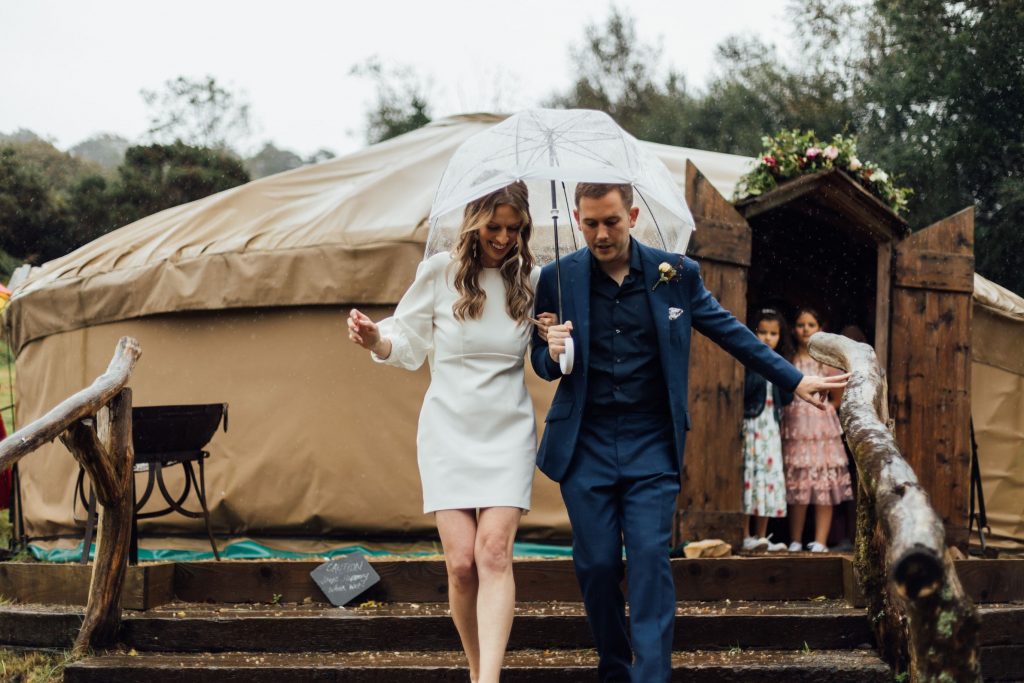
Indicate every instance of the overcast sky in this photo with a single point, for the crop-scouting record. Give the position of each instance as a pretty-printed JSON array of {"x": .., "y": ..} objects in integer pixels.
[{"x": 71, "y": 69}]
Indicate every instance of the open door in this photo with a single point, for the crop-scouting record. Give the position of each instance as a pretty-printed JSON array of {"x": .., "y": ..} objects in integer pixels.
[
  {"x": 711, "y": 500},
  {"x": 930, "y": 362}
]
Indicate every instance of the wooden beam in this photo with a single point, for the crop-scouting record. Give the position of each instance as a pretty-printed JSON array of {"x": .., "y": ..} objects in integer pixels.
[
  {"x": 85, "y": 403},
  {"x": 921, "y": 588},
  {"x": 935, "y": 270}
]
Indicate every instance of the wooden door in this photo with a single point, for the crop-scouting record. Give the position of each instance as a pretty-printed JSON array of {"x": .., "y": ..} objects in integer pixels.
[
  {"x": 711, "y": 501},
  {"x": 930, "y": 362}
]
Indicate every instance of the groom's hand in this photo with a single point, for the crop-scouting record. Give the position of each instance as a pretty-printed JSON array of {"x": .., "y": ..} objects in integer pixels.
[
  {"x": 557, "y": 334},
  {"x": 812, "y": 387}
]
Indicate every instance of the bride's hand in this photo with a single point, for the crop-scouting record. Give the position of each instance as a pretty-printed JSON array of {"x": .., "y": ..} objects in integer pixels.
[
  {"x": 543, "y": 322},
  {"x": 362, "y": 330}
]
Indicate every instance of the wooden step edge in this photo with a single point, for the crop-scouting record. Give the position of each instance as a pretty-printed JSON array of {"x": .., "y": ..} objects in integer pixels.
[{"x": 535, "y": 666}]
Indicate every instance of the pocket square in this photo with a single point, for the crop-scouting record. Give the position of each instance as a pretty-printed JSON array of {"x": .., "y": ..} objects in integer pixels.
[{"x": 674, "y": 312}]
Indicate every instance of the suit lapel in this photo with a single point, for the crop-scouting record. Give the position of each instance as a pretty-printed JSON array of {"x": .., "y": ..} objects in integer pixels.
[{"x": 657, "y": 295}]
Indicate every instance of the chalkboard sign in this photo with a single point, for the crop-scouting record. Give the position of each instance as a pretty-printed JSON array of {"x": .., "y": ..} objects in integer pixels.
[{"x": 343, "y": 579}]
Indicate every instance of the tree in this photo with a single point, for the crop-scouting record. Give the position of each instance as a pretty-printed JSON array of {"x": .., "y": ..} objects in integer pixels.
[
  {"x": 32, "y": 225},
  {"x": 401, "y": 105},
  {"x": 939, "y": 87},
  {"x": 157, "y": 177},
  {"x": 200, "y": 113}
]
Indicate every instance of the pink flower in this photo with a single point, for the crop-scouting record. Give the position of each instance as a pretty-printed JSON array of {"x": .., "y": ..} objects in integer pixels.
[
  {"x": 769, "y": 161},
  {"x": 831, "y": 152},
  {"x": 812, "y": 152}
]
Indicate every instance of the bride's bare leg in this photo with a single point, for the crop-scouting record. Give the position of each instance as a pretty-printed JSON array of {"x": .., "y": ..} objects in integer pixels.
[
  {"x": 458, "y": 537},
  {"x": 496, "y": 600}
]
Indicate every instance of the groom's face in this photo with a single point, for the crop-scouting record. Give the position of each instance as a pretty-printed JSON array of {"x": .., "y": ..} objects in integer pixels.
[{"x": 605, "y": 223}]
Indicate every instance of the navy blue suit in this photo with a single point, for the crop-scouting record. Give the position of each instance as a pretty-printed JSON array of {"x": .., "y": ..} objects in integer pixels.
[{"x": 619, "y": 473}]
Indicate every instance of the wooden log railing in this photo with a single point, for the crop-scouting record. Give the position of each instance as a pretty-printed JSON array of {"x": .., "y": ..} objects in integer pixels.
[
  {"x": 96, "y": 426},
  {"x": 923, "y": 622}
]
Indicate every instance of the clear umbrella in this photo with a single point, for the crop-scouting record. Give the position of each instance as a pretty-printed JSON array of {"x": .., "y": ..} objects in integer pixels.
[{"x": 551, "y": 150}]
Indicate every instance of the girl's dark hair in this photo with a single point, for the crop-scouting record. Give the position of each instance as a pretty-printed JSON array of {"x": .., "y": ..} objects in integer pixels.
[
  {"x": 807, "y": 309},
  {"x": 771, "y": 314}
]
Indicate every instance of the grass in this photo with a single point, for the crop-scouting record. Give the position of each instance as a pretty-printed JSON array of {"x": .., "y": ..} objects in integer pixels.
[{"x": 33, "y": 666}]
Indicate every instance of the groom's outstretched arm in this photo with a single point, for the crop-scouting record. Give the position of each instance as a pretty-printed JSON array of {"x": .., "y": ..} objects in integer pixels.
[
  {"x": 545, "y": 300},
  {"x": 722, "y": 327}
]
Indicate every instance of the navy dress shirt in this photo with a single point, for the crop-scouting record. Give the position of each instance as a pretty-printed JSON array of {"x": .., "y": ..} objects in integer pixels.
[{"x": 624, "y": 372}]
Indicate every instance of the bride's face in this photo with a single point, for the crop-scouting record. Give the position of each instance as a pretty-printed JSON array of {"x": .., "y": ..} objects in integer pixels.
[{"x": 499, "y": 235}]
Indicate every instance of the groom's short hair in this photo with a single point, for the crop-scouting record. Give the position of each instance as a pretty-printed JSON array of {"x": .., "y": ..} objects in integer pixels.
[{"x": 598, "y": 190}]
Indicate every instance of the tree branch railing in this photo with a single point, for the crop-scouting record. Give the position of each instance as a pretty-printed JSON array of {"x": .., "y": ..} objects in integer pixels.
[
  {"x": 96, "y": 426},
  {"x": 922, "y": 619}
]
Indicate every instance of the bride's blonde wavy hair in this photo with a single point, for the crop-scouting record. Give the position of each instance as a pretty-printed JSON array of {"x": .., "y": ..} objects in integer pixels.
[{"x": 515, "y": 269}]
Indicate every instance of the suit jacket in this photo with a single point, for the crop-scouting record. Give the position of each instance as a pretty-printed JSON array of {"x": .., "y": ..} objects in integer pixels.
[{"x": 676, "y": 306}]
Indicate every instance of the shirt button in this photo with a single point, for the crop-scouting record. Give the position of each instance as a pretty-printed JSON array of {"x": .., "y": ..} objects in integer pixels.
[
  {"x": 617, "y": 330},
  {"x": 616, "y": 301}
]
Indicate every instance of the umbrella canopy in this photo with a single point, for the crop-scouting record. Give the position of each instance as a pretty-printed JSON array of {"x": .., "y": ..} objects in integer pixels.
[{"x": 566, "y": 146}]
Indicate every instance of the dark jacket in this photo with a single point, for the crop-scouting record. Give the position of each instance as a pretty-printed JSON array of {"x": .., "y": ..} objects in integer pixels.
[
  {"x": 677, "y": 306},
  {"x": 754, "y": 396}
]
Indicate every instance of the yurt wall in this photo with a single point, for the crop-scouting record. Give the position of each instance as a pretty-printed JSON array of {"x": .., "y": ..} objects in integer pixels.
[{"x": 321, "y": 440}]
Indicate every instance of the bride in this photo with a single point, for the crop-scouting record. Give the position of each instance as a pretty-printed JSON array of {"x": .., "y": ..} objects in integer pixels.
[{"x": 468, "y": 312}]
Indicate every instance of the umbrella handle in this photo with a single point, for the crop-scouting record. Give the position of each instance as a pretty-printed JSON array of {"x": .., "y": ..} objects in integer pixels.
[{"x": 565, "y": 359}]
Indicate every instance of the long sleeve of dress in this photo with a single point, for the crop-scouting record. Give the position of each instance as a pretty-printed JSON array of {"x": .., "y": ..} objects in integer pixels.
[{"x": 411, "y": 328}]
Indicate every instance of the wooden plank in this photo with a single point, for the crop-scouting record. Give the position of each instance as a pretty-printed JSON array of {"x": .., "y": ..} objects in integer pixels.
[
  {"x": 934, "y": 270},
  {"x": 1002, "y": 624},
  {"x": 145, "y": 586},
  {"x": 759, "y": 578},
  {"x": 852, "y": 590},
  {"x": 767, "y": 578},
  {"x": 721, "y": 234},
  {"x": 39, "y": 627},
  {"x": 711, "y": 497},
  {"x": 1002, "y": 662},
  {"x": 992, "y": 580},
  {"x": 700, "y": 625},
  {"x": 930, "y": 375},
  {"x": 883, "y": 303},
  {"x": 530, "y": 666}
]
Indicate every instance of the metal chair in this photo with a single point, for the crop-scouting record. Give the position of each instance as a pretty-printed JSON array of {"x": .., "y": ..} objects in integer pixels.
[{"x": 164, "y": 436}]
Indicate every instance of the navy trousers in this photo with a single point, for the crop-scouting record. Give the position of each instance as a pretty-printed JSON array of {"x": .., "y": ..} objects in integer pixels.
[{"x": 621, "y": 488}]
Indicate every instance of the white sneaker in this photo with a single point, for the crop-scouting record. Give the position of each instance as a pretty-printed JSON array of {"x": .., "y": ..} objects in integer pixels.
[
  {"x": 773, "y": 547},
  {"x": 816, "y": 547},
  {"x": 755, "y": 544},
  {"x": 795, "y": 547}
]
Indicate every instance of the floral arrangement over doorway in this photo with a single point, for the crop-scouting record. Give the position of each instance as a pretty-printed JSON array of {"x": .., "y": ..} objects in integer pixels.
[{"x": 793, "y": 153}]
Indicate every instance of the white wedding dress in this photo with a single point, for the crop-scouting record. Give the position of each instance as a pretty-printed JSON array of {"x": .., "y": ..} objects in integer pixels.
[{"x": 477, "y": 439}]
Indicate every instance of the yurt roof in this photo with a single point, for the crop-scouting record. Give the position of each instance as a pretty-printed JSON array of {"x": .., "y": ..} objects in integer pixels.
[
  {"x": 347, "y": 230},
  {"x": 998, "y": 299}
]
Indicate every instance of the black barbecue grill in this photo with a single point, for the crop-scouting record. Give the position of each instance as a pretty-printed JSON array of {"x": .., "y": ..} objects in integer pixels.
[{"x": 164, "y": 436}]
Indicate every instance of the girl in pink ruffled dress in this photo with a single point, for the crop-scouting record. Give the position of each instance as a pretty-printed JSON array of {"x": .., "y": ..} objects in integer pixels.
[{"x": 812, "y": 448}]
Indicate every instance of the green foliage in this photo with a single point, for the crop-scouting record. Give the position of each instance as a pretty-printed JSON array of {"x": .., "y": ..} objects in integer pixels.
[
  {"x": 46, "y": 210},
  {"x": 198, "y": 112},
  {"x": 402, "y": 101},
  {"x": 157, "y": 177},
  {"x": 933, "y": 91},
  {"x": 794, "y": 153}
]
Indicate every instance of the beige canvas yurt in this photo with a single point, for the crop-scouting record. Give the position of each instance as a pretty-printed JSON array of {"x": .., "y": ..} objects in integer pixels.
[
  {"x": 997, "y": 406},
  {"x": 240, "y": 298}
]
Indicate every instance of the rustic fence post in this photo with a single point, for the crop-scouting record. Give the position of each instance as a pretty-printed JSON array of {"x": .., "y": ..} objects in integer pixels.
[
  {"x": 918, "y": 608},
  {"x": 96, "y": 426}
]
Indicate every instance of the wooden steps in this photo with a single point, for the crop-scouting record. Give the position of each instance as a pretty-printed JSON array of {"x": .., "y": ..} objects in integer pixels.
[
  {"x": 791, "y": 618},
  {"x": 525, "y": 666}
]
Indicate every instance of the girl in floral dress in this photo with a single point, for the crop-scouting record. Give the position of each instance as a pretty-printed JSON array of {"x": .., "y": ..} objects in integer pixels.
[
  {"x": 764, "y": 484},
  {"x": 812, "y": 448}
]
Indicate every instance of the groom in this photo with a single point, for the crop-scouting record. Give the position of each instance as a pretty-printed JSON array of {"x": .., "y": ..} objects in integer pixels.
[{"x": 616, "y": 428}]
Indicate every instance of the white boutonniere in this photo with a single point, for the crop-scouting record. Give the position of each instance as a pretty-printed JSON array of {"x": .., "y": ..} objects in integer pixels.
[{"x": 666, "y": 274}]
